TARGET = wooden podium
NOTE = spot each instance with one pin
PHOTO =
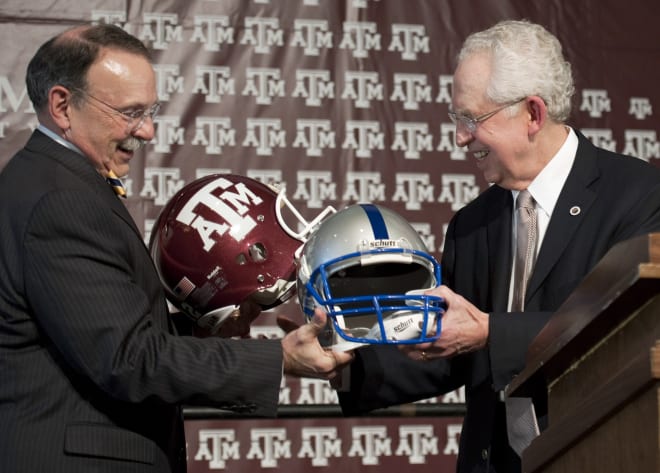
(599, 357)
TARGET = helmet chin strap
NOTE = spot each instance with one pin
(414, 301)
(213, 320)
(269, 297)
(417, 320)
(275, 294)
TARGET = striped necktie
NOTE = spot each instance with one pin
(116, 184)
(526, 242)
(522, 426)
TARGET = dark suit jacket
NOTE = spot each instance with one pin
(618, 197)
(91, 372)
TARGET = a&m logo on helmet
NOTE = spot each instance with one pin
(231, 206)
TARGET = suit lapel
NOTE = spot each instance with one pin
(120, 209)
(83, 169)
(499, 247)
(565, 221)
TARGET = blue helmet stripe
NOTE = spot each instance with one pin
(377, 221)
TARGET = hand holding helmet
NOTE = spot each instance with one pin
(464, 329)
(304, 355)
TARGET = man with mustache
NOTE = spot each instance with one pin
(92, 372)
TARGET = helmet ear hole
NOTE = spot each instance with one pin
(258, 252)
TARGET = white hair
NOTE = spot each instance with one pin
(526, 59)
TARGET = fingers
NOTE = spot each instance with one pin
(440, 291)
(319, 320)
(303, 354)
(418, 352)
(343, 358)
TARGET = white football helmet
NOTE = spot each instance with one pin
(368, 268)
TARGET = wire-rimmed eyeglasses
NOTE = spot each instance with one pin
(134, 118)
(471, 123)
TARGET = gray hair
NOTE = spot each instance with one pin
(526, 60)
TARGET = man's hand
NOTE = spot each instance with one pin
(464, 329)
(303, 354)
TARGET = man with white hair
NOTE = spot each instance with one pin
(511, 98)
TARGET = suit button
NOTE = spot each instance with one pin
(484, 454)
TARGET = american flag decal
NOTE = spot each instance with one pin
(184, 288)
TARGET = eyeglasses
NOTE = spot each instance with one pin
(134, 118)
(471, 123)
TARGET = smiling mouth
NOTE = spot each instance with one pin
(481, 155)
(131, 144)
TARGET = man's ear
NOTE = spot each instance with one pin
(538, 113)
(59, 106)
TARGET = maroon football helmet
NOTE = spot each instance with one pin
(222, 241)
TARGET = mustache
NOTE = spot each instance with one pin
(132, 143)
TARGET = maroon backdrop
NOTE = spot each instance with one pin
(339, 101)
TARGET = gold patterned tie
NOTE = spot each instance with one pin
(526, 241)
(116, 184)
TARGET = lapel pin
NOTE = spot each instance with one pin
(575, 210)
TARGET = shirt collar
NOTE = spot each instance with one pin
(547, 186)
(53, 136)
